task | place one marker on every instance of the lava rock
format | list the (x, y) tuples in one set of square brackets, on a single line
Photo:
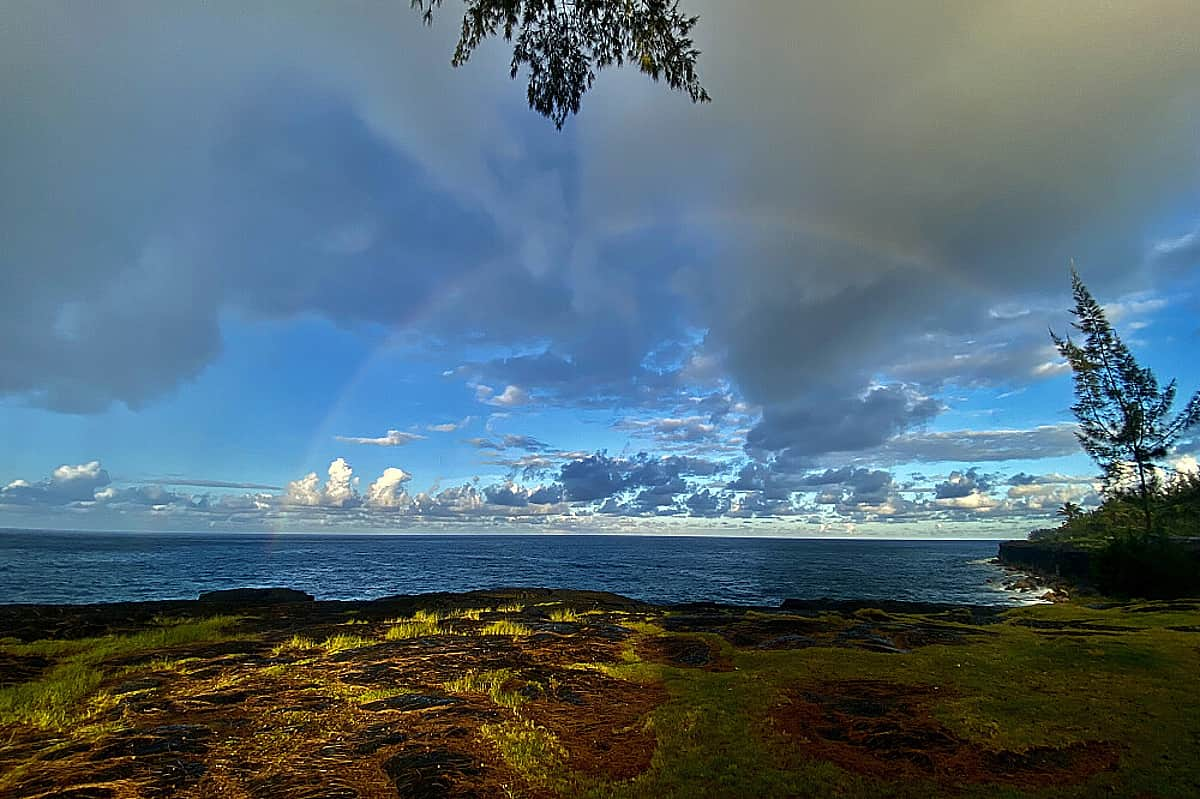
[(256, 596), (410, 702)]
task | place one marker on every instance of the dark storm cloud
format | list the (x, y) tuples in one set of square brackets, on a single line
[(911, 179), (591, 478), (312, 187), (962, 484), (871, 192), (845, 424), (1047, 441), (507, 495), (546, 495), (599, 476), (868, 487), (706, 503), (660, 496), (756, 503)]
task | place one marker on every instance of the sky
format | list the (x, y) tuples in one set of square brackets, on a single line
[(280, 267)]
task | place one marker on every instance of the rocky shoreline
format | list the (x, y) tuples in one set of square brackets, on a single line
[(543, 692)]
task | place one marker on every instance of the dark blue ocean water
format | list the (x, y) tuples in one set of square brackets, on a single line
[(40, 566)]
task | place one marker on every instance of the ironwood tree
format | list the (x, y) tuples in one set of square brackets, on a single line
[(564, 42), (1125, 421)]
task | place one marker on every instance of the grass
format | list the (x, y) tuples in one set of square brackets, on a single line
[(425, 623), (414, 629), (294, 643), (533, 751), (177, 665), (334, 643), (1011, 691), (506, 627), (492, 683), (445, 614), (68, 694), (564, 615), (341, 643)]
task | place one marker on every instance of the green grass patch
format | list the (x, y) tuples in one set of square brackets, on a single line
[(341, 643), (67, 693), (1013, 690), (533, 751), (564, 615), (492, 683), (299, 642), (414, 629), (506, 627)]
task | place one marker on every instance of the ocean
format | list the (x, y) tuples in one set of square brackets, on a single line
[(85, 567)]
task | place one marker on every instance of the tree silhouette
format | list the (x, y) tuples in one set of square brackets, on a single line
[(564, 42), (1070, 511), (1124, 418)]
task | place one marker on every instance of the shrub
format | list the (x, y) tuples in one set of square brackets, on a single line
[(1155, 568)]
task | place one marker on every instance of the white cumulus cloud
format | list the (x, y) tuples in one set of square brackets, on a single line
[(388, 491)]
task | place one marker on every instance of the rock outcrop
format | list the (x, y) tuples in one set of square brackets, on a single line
[(256, 596), (1065, 561)]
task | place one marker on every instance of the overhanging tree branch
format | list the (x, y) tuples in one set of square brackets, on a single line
[(563, 44)]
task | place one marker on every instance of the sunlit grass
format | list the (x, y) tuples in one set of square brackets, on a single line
[(512, 607), (429, 622), (506, 627), (293, 643), (67, 694), (341, 643), (564, 615), (532, 750), (414, 629), (490, 683), (176, 665)]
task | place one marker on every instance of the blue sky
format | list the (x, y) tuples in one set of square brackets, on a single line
[(324, 281)]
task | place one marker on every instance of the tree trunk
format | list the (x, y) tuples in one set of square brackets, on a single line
[(1145, 500)]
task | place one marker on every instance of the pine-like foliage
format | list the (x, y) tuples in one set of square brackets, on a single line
[(1124, 417), (564, 42)]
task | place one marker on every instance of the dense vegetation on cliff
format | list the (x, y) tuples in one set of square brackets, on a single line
[(1175, 510)]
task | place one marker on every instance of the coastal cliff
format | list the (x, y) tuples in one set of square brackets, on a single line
[(1066, 561)]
